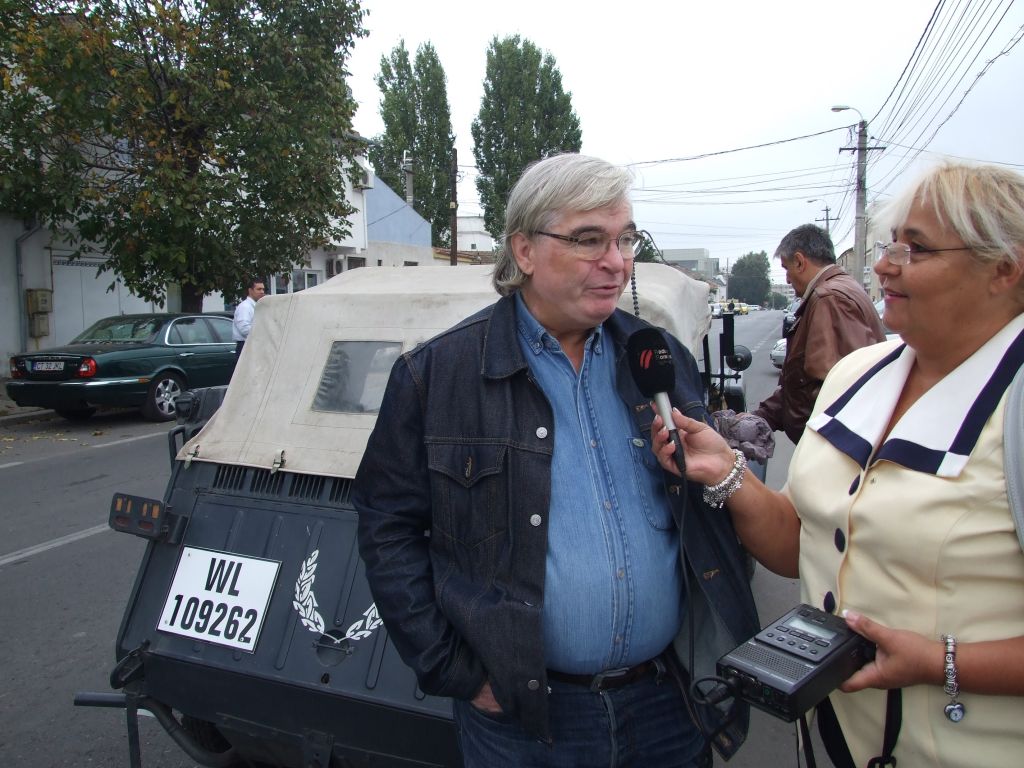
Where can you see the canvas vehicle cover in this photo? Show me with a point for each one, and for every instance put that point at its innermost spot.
(316, 364)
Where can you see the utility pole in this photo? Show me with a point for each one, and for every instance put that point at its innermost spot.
(826, 219)
(860, 232)
(453, 206)
(407, 164)
(860, 229)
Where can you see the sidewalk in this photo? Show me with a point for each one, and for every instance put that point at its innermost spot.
(16, 414)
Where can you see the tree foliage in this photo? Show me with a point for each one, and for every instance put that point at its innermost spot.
(417, 121)
(195, 143)
(647, 251)
(525, 115)
(749, 280)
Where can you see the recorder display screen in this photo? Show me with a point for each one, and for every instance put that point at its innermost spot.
(814, 629)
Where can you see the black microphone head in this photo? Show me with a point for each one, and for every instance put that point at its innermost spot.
(650, 362)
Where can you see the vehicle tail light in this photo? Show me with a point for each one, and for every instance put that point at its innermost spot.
(17, 372)
(87, 368)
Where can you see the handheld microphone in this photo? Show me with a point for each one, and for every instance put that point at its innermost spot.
(650, 362)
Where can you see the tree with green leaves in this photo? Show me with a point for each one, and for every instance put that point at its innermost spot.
(398, 111)
(749, 280)
(525, 115)
(194, 143)
(418, 124)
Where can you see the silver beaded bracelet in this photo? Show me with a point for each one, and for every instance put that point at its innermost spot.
(954, 711)
(716, 495)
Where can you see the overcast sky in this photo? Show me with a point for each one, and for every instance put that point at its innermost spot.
(655, 83)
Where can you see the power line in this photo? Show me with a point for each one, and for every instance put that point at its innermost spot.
(730, 151)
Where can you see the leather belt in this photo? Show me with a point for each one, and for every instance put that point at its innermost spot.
(612, 678)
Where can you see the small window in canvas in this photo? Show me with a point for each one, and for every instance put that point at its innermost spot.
(354, 376)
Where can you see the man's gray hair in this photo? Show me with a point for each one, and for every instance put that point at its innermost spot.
(812, 241)
(566, 183)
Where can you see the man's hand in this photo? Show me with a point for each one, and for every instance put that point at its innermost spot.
(485, 702)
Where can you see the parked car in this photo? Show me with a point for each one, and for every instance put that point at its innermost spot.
(142, 361)
(716, 309)
(790, 317)
(778, 353)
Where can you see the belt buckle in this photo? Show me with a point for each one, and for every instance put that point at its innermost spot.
(597, 681)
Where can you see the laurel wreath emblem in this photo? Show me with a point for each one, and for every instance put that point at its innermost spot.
(305, 601)
(306, 605)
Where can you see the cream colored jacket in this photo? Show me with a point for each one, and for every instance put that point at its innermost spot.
(930, 551)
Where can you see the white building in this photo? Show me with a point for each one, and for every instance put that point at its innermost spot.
(696, 260)
(472, 236)
(46, 299)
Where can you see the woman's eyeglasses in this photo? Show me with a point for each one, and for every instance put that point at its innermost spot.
(901, 254)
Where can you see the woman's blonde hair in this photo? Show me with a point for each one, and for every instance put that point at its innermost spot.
(983, 204)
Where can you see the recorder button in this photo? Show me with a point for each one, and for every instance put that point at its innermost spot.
(822, 643)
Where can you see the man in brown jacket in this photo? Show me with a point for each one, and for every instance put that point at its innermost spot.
(835, 317)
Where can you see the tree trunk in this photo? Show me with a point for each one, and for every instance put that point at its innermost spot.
(191, 299)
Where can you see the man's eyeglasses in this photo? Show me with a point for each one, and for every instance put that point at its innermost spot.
(901, 254)
(593, 245)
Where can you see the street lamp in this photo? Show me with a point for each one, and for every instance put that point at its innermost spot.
(860, 235)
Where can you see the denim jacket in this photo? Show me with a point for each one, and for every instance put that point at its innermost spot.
(453, 492)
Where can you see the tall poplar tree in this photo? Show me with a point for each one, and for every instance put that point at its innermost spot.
(398, 111)
(194, 143)
(525, 115)
(417, 123)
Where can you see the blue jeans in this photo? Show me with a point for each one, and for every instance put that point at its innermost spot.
(643, 725)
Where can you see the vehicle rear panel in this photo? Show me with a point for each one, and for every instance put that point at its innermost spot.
(346, 684)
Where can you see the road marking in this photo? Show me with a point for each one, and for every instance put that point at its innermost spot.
(97, 445)
(128, 440)
(23, 554)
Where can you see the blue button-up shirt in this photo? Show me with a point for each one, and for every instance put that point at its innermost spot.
(613, 586)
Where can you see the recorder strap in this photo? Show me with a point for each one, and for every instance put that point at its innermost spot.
(893, 721)
(835, 742)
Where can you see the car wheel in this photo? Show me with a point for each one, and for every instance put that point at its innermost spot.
(75, 414)
(161, 398)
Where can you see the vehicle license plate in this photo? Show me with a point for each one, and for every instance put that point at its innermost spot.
(219, 597)
(48, 365)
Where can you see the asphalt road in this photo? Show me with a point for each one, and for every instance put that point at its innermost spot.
(65, 579)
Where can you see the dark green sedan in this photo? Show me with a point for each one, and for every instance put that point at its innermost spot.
(142, 361)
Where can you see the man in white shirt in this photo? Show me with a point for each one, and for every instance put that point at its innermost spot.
(243, 315)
